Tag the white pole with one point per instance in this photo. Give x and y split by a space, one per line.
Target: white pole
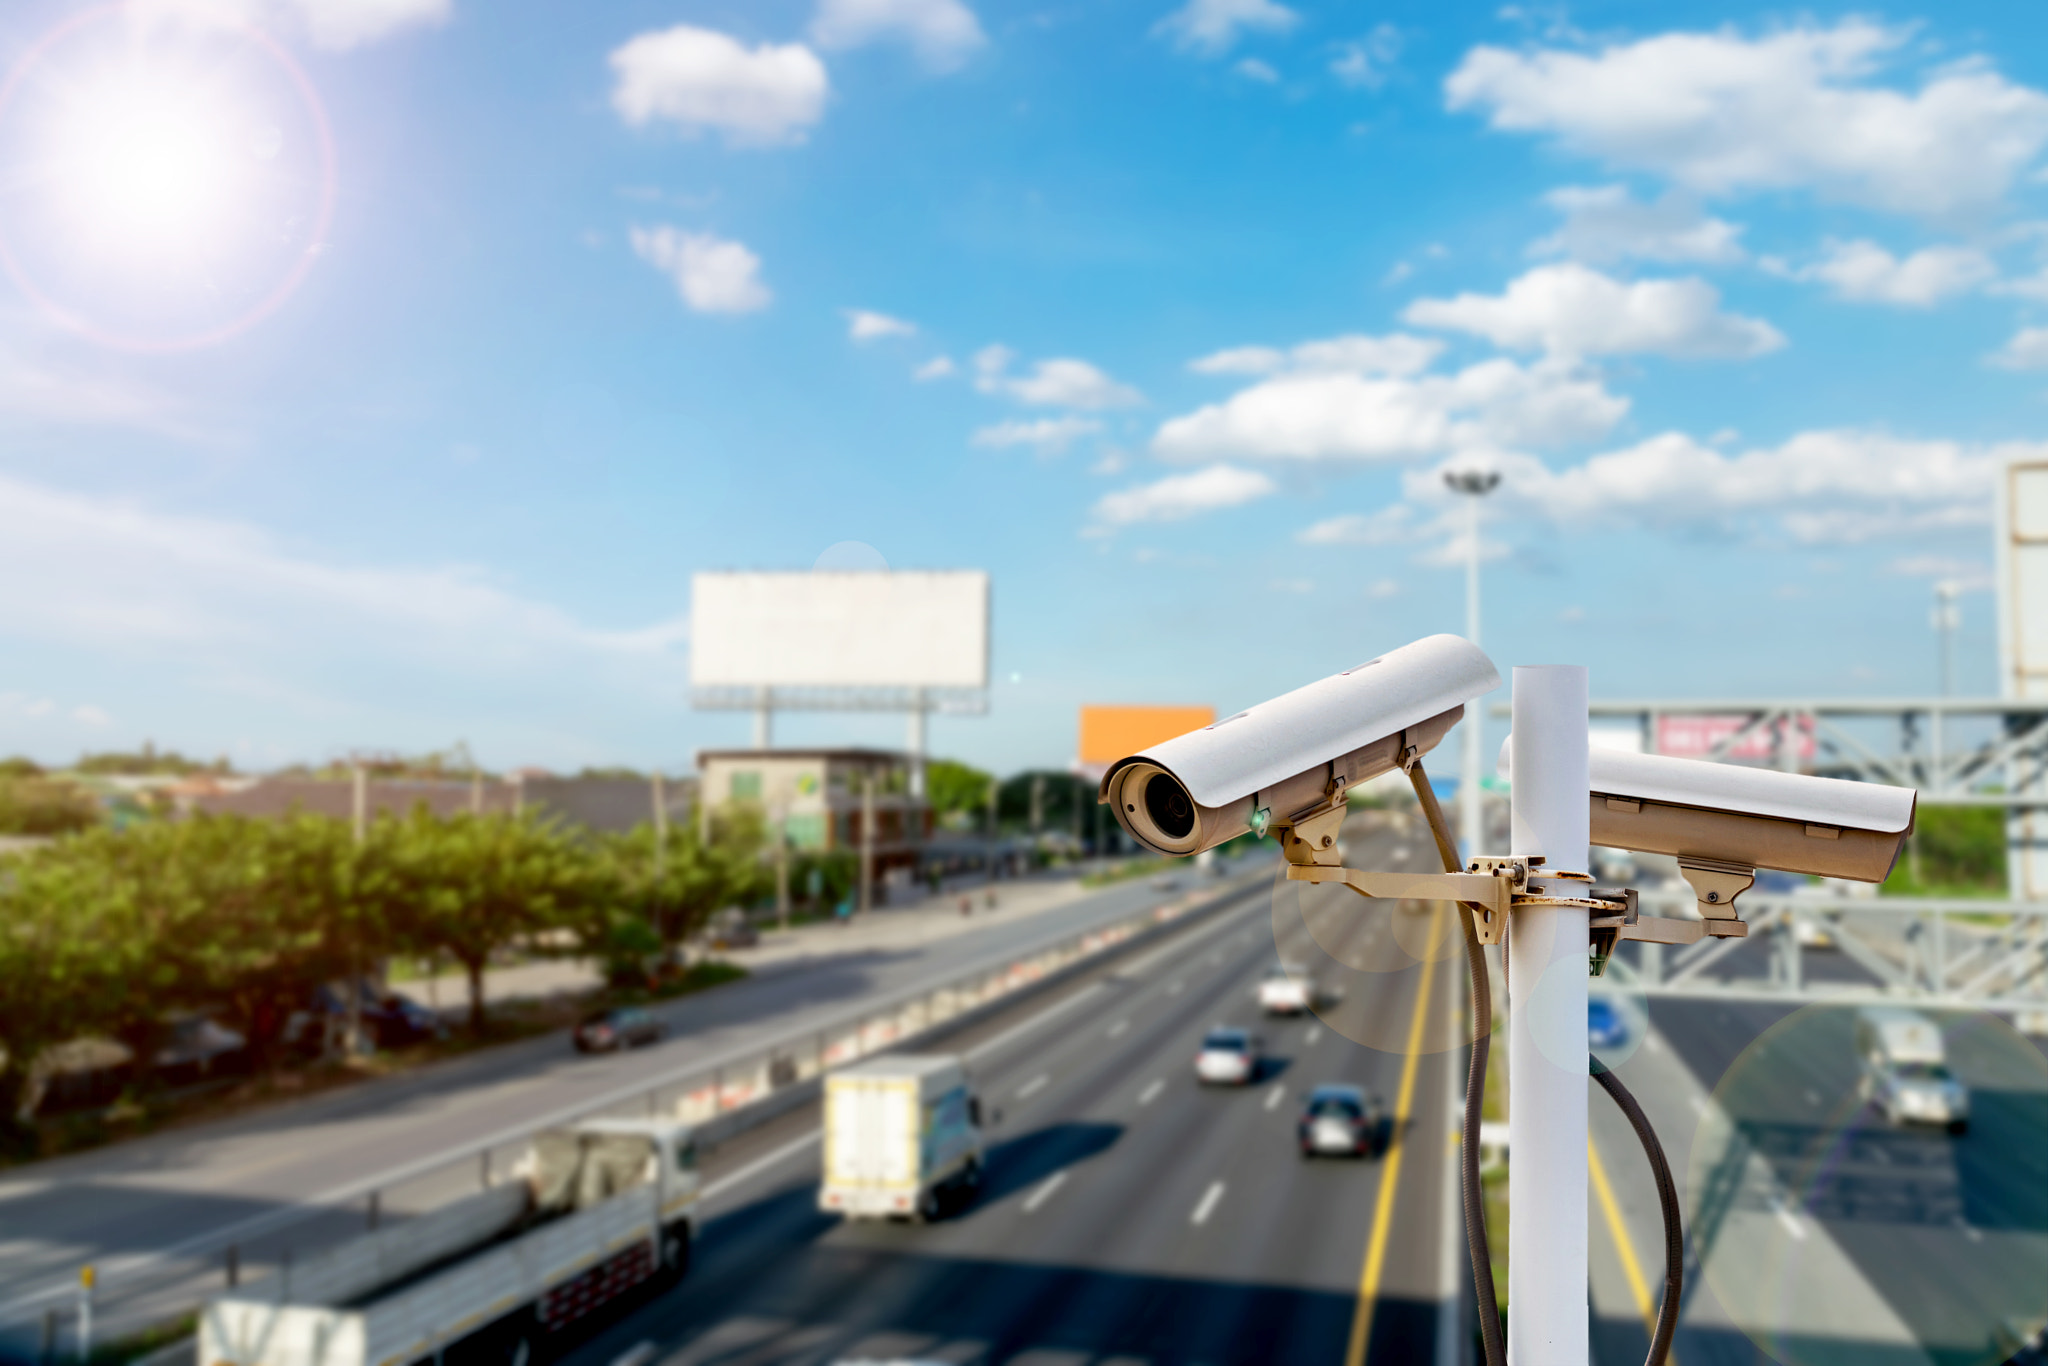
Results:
1471 797
919 703
1547 1077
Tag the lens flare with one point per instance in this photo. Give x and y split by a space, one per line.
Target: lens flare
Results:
165 181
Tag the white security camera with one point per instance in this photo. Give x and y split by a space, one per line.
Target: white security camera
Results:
1299 752
1723 821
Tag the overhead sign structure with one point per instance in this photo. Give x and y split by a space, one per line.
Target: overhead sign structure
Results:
913 641
2021 542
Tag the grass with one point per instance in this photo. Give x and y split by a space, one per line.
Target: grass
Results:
144 1112
1130 868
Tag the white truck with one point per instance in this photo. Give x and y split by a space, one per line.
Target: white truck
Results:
902 1138
1904 1065
1287 989
594 1212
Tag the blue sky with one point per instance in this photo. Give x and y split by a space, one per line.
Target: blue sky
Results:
1169 315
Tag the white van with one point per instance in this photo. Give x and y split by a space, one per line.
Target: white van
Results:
902 1138
1905 1073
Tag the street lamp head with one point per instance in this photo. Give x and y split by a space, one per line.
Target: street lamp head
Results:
1474 482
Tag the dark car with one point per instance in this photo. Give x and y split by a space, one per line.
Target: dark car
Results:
388 1020
1341 1121
609 1031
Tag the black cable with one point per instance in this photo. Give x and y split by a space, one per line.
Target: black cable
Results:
1476 1243
1667 1199
1473 1193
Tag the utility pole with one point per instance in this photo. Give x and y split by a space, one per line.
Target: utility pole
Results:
995 793
867 843
1037 802
1475 485
782 866
1547 950
359 825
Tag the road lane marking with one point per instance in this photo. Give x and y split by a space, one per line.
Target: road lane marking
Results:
1789 1220
1617 1228
1035 1022
1119 1027
1033 1087
1273 1097
1699 1104
1044 1191
1151 1093
1390 1182
760 1164
1208 1205
639 1354
1309 1039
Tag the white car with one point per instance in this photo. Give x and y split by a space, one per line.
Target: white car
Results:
1229 1057
1286 989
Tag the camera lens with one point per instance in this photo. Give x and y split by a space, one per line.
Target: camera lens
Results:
1169 806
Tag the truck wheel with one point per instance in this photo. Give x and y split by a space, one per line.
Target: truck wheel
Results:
1959 1127
675 1253
929 1209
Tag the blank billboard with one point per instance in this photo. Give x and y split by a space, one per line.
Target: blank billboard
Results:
1110 733
824 629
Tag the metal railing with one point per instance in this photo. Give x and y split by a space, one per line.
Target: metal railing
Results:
143 1290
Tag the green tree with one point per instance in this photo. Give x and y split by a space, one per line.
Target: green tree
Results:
65 952
43 806
955 789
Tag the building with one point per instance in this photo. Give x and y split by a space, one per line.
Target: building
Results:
818 794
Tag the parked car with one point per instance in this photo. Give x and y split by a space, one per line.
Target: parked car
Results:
1228 1057
1341 1120
388 1019
199 1048
731 929
612 1031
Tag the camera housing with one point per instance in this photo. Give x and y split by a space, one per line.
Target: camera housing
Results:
1748 817
1297 753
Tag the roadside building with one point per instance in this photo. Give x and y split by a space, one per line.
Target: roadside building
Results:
819 795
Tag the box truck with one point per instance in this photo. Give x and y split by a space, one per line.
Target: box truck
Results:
593 1213
902 1138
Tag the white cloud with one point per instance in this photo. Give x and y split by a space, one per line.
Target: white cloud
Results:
1182 495
1347 416
943 33
2028 350
1864 272
1605 224
1363 62
1252 69
863 325
1796 108
1062 382
1397 353
1571 310
1388 526
1240 360
127 580
697 78
1382 588
1820 487
938 367
336 25
1049 435
712 273
1209 28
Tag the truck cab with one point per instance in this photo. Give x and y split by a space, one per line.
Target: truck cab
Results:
1903 1062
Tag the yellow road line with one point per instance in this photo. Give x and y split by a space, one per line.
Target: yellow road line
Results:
1390 1179
1630 1266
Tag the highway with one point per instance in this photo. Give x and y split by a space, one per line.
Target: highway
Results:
1130 1214
250 1181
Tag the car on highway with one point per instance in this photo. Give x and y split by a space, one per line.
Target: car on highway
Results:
1812 930
1228 1057
1341 1120
1605 1025
1905 1073
617 1029
1287 989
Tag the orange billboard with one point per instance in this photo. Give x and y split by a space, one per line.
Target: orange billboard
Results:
1109 733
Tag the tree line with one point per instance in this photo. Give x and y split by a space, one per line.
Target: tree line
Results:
114 933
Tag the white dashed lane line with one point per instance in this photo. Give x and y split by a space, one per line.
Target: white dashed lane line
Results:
1273 1097
1151 1093
1033 1087
1119 1027
1208 1205
1308 1040
1044 1191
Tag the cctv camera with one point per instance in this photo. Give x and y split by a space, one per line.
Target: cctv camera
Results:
1708 813
1293 754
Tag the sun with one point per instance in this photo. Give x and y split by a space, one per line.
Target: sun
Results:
163 184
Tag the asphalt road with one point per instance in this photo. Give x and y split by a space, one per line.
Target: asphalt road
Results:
1130 1215
192 1188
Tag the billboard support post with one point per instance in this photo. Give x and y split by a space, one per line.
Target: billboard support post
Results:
920 704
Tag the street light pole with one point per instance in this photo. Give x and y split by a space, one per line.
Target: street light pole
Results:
1475 485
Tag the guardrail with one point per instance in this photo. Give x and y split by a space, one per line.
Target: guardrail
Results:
722 1097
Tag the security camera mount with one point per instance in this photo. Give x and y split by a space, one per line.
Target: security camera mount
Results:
1493 887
